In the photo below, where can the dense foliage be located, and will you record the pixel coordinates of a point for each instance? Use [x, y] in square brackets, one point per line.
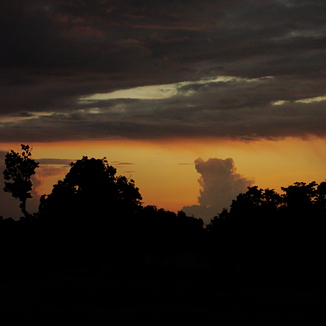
[93, 216]
[268, 235]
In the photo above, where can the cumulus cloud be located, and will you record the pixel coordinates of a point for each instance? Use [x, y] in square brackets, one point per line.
[220, 183]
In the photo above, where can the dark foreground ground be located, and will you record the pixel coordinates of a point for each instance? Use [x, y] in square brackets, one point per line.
[102, 296]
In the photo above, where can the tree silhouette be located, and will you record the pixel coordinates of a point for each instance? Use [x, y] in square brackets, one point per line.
[300, 196]
[18, 172]
[320, 200]
[265, 233]
[91, 187]
[87, 212]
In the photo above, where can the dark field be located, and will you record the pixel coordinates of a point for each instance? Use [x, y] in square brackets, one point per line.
[102, 296]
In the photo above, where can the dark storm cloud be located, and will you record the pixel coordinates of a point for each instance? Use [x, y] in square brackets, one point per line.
[53, 53]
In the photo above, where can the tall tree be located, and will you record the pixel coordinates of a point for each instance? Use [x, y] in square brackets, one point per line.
[91, 190]
[88, 212]
[18, 172]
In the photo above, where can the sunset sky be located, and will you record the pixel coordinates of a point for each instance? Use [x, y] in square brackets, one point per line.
[195, 100]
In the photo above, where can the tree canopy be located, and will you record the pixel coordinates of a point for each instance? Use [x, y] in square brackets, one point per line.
[19, 169]
[92, 188]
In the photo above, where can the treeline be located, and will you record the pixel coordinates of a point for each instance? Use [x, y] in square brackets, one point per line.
[271, 238]
[93, 217]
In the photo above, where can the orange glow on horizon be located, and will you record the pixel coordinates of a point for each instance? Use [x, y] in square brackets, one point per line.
[165, 173]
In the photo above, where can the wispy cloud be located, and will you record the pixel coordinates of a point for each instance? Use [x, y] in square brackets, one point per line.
[54, 161]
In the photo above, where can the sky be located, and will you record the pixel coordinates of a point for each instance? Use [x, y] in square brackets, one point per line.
[195, 100]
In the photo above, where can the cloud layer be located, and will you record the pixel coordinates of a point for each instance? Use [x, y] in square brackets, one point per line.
[220, 183]
[54, 54]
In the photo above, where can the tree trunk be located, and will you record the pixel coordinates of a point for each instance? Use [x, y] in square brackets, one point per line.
[23, 207]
